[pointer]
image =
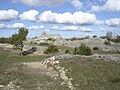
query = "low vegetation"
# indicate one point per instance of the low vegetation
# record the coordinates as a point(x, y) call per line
point(16, 39)
point(86, 74)
point(82, 50)
point(44, 44)
point(95, 48)
point(4, 40)
point(11, 70)
point(107, 43)
point(51, 39)
point(116, 40)
point(67, 51)
point(95, 36)
point(51, 49)
point(93, 75)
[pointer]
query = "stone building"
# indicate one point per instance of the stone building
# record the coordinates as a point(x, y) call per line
point(109, 35)
point(46, 36)
point(43, 38)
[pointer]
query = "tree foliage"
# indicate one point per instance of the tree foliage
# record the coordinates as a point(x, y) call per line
point(4, 40)
point(67, 51)
point(82, 50)
point(17, 39)
point(51, 49)
point(95, 48)
point(107, 43)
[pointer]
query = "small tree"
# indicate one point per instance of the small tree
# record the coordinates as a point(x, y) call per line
point(67, 51)
point(51, 49)
point(95, 48)
point(107, 43)
point(4, 40)
point(94, 36)
point(17, 39)
point(82, 50)
point(75, 51)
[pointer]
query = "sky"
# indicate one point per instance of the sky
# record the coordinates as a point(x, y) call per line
point(69, 18)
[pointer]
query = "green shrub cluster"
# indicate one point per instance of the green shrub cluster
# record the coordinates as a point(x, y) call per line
point(67, 51)
point(107, 43)
point(82, 50)
point(95, 48)
point(94, 36)
point(51, 49)
point(44, 44)
point(4, 40)
point(51, 39)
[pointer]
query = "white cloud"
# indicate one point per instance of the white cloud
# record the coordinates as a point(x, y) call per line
point(110, 5)
point(115, 22)
point(84, 29)
point(102, 29)
point(2, 26)
point(36, 27)
point(71, 28)
point(19, 25)
point(79, 18)
point(16, 25)
point(68, 28)
point(77, 4)
point(95, 8)
point(44, 2)
point(55, 28)
point(8, 15)
point(30, 15)
point(13, 26)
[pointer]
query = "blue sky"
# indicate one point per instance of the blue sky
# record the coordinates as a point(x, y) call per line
point(70, 18)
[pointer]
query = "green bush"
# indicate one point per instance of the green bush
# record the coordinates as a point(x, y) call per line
point(107, 43)
point(95, 48)
point(4, 40)
point(67, 51)
point(51, 39)
point(118, 52)
point(82, 50)
point(51, 49)
point(44, 44)
point(115, 80)
point(94, 36)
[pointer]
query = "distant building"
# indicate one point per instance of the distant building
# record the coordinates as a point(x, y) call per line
point(45, 36)
point(109, 35)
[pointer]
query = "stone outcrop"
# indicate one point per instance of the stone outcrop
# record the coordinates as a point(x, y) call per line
point(52, 62)
point(105, 57)
point(91, 42)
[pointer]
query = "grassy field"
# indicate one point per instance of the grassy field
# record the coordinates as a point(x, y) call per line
point(93, 75)
point(103, 52)
point(86, 74)
point(11, 70)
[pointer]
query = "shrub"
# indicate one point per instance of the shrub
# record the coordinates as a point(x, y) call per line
point(51, 39)
point(82, 50)
point(107, 43)
point(51, 49)
point(118, 52)
point(35, 43)
point(44, 44)
point(75, 51)
point(67, 51)
point(95, 48)
point(115, 79)
point(94, 36)
point(4, 40)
